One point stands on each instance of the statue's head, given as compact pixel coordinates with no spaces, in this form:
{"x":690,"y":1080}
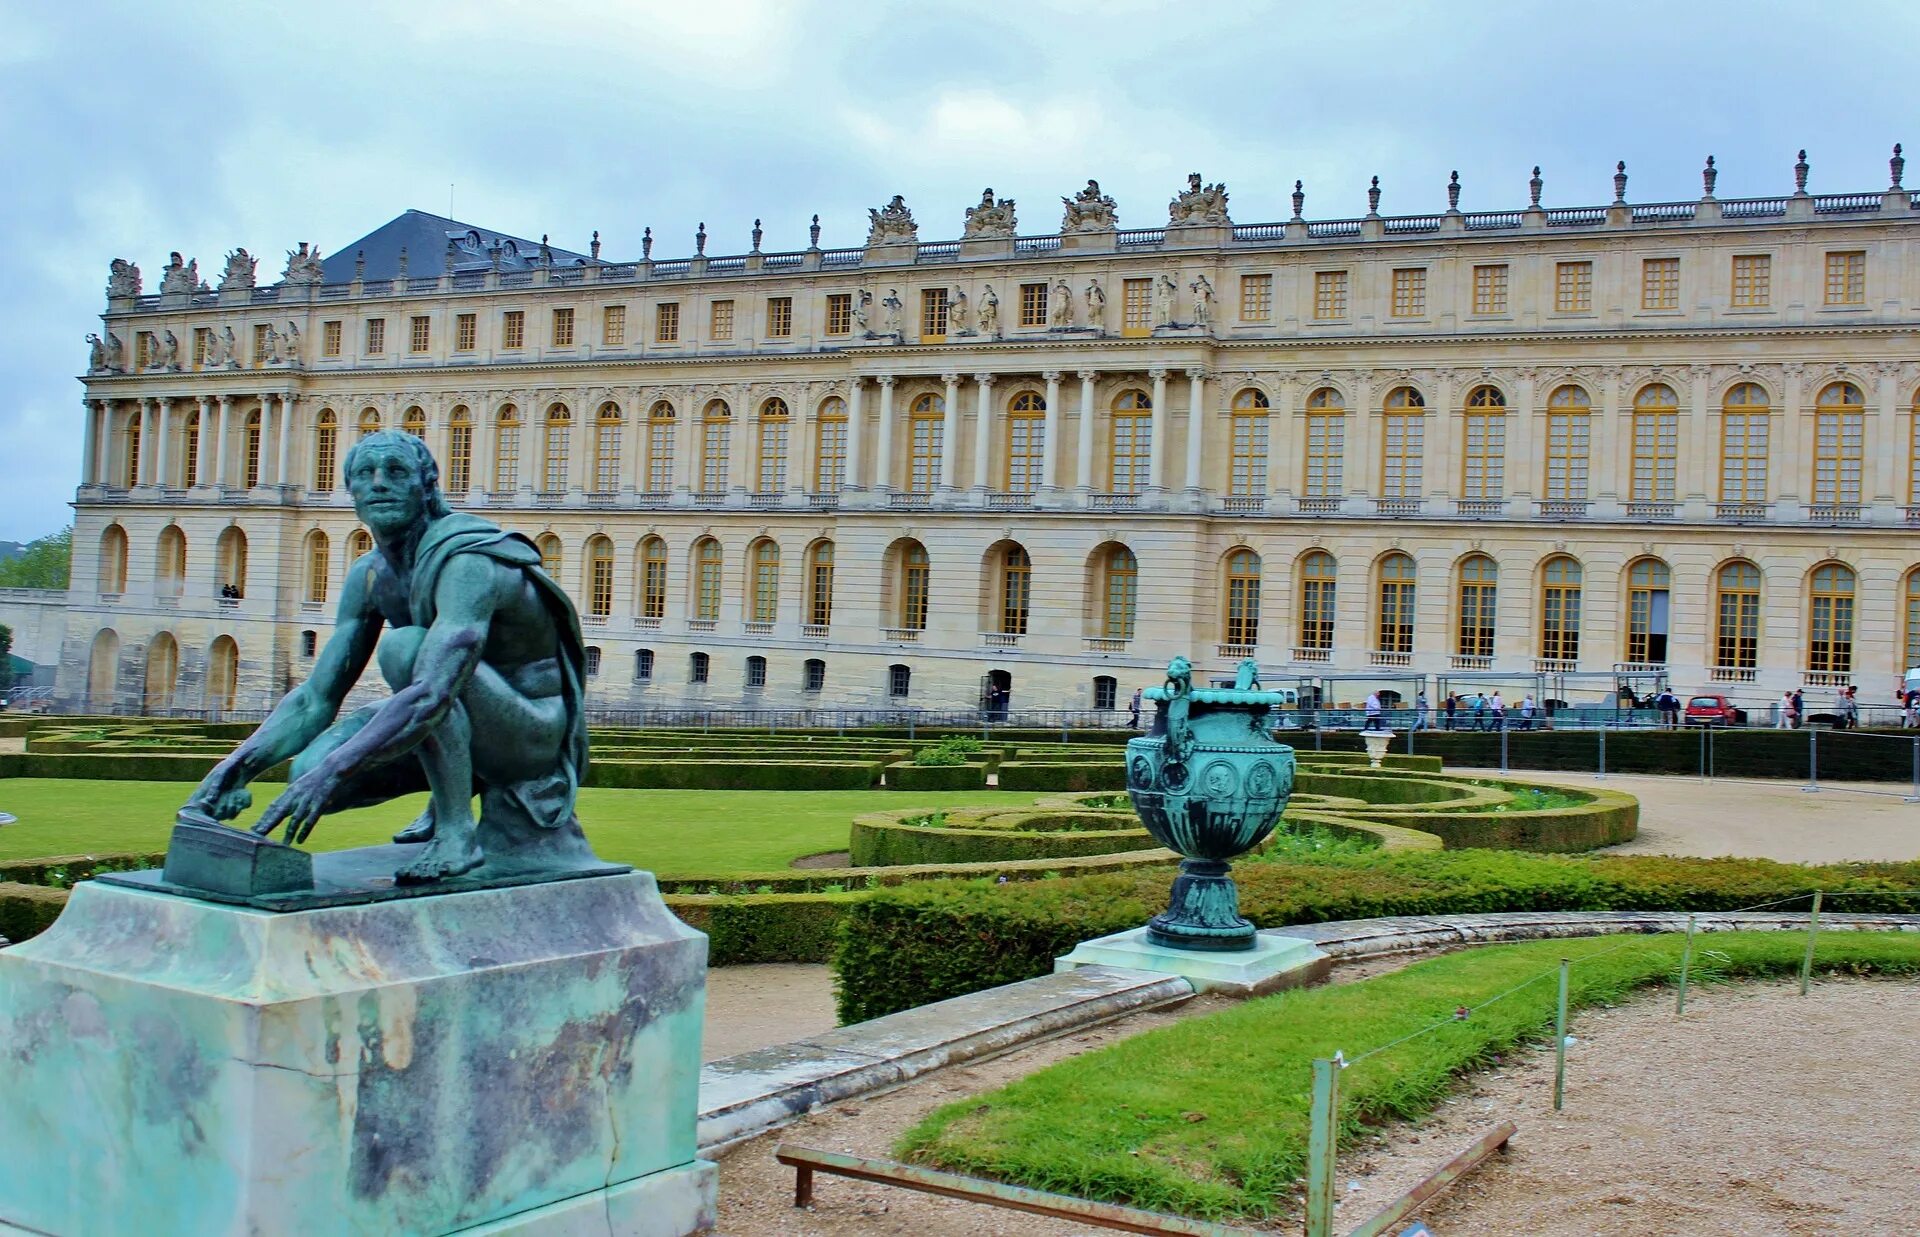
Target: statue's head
{"x":394,"y":481}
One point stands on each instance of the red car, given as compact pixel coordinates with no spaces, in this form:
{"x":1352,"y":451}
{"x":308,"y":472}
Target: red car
{"x":1714,"y":711}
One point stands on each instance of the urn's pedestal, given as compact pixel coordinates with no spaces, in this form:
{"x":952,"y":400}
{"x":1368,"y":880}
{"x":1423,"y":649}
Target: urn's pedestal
{"x":1274,"y":962}
{"x":509,"y":1060}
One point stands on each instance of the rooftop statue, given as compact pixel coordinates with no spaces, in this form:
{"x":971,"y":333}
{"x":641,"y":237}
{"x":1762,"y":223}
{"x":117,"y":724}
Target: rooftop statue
{"x":990,"y":314}
{"x":1202,"y":300}
{"x":290,"y":345}
{"x":166,"y":353}
{"x":892,"y":306}
{"x":1096,"y":306}
{"x":239,"y":272}
{"x":1090,"y":211}
{"x":486,"y":664}
{"x":959,"y":311}
{"x":1062,"y":303}
{"x":1199,"y":206}
{"x":990,"y":220}
{"x":892,"y":224}
{"x":862,"y":310}
{"x":123,"y":278}
{"x":96,"y":355}
{"x":179,"y":276}
{"x":303,"y":265}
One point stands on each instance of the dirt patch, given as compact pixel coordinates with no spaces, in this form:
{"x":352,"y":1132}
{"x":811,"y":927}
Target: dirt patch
{"x":757,"y":1006}
{"x":825,"y":859}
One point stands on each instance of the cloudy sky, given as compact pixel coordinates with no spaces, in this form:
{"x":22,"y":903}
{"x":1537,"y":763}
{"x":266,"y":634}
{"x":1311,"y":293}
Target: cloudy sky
{"x":130,"y":129}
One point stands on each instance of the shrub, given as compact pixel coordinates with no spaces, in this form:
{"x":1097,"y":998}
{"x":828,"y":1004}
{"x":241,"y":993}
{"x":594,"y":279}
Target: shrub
{"x":957,"y":776}
{"x":733,"y":774}
{"x":785,"y":927}
{"x":1033,"y":775}
{"x":28,"y":910}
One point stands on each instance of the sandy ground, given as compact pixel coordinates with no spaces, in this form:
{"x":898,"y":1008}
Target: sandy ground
{"x":751,"y":1007}
{"x":13,"y":743}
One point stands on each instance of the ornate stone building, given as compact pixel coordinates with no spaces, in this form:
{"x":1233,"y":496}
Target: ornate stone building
{"x":1558,"y":441}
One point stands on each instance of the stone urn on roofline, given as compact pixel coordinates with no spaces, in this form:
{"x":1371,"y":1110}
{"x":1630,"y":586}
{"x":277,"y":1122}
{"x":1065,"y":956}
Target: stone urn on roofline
{"x":1209,"y":783}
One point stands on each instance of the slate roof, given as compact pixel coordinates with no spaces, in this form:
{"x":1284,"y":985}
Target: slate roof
{"x":424,"y":236}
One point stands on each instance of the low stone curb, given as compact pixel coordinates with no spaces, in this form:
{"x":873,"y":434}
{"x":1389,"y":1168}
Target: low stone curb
{"x":1352,"y":940}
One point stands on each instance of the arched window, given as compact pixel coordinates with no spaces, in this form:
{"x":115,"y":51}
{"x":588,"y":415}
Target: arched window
{"x":550,"y":554}
{"x":1130,"y":439}
{"x":506,"y":450}
{"x":1403,"y":436}
{"x":763,"y":593}
{"x":131,"y":454}
{"x":223,"y":674}
{"x":1649,"y":611}
{"x":820,"y":584}
{"x":1106,"y":692}
{"x":814,"y":677}
{"x":1247,"y":464}
{"x":599,"y":576}
{"x":1656,"y":443}
{"x":775,"y":423}
{"x":716,"y":429}
{"x":899,"y":681}
{"x":1737,"y":626}
{"x":643,"y":665}
{"x":113,"y":560}
{"x":553,"y":468}
{"x":1016,"y":590}
{"x":369,"y":421}
{"x":414,"y":421}
{"x":190,"y":448}
{"x":1395,"y":614}
{"x":1839,"y":438}
{"x":593,"y":661}
{"x":756,"y":672}
{"x":359,"y":545}
{"x":1560,"y":609}
{"x":699,"y":667}
{"x":163,"y":672}
{"x":1478,"y":581}
{"x":250,"y":448}
{"x":318,"y":568}
{"x":1243,"y":599}
{"x":606,"y":449}
{"x":1318,"y":573}
{"x":326,"y":450}
{"x":103,"y":671}
{"x":1483,"y":467}
{"x":1325,"y":444}
{"x":1830,"y":620}
{"x":706,"y":579}
{"x":1120,"y":596}
{"x":231,"y":565}
{"x":459,"y":477}
{"x":915,"y":577}
{"x":170,"y":562}
{"x":660,"y":422}
{"x":1569,"y":435}
{"x":653,"y":578}
{"x":1026,"y":442}
{"x":830,"y":446}
{"x":926,"y":439}
{"x":1911,"y":645}
{"x":1743,"y":444}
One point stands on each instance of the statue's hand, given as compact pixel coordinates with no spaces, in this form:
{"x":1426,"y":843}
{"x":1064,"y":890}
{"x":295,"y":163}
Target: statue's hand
{"x":299,"y":807}
{"x":220,"y":795}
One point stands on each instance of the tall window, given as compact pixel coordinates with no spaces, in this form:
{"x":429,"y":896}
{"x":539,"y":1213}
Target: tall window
{"x":720,"y":321}
{"x":1256,"y":298}
{"x":1326,"y":444}
{"x":1847,"y":278}
{"x":513,"y":329}
{"x":563,"y":328}
{"x":1402,"y":443}
{"x":666,"y":322}
{"x":1479,"y":582}
{"x":756,"y":671}
{"x":1752,"y":280}
{"x":419,"y":333}
{"x":1409,"y":293}
{"x":1317,"y":596}
{"x":706,"y":579}
{"x":779,"y":317}
{"x":1743,"y":445}
{"x":763,"y":598}
{"x":915,"y":576}
{"x":1026,"y":442}
{"x":1656,"y":443}
{"x":506,"y":449}
{"x":133,"y":449}
{"x":550,"y":554}
{"x":1560,"y":609}
{"x":459,"y":450}
{"x":553,"y":474}
{"x":1569,"y":438}
{"x":318,"y":563}
{"x":330,"y":338}
{"x":839,"y":313}
{"x":613,"y":326}
{"x":1649,"y":611}
{"x":1395,"y":614}
{"x":414,"y":421}
{"x":933,"y":315}
{"x":1839,"y":436}
{"x":1016,"y":590}
{"x":606,"y":449}
{"x":1131,"y":442}
{"x":170,"y":562}
{"x":190,"y":449}
{"x":830,"y":453}
{"x":376,"y":336}
{"x":899,"y":681}
{"x":223,"y":673}
{"x":1911,"y":646}
{"x":653,"y":578}
{"x":260,"y":349}
{"x":774,"y":424}
{"x":250,"y":448}
{"x":113,"y":560}
{"x":699,"y":667}
{"x":1490,"y":289}
{"x":326,"y":448}
{"x":1483,"y":468}
{"x":1106,"y":691}
{"x":202,"y":344}
{"x":1033,"y":304}
{"x":1136,"y":307}
{"x":926,"y":430}
{"x":1913,"y":454}
{"x":1737,"y":605}
{"x":1243,"y":599}
{"x":660,"y":447}
{"x":599,"y":576}
{"x":1830,"y":620}
{"x":369,"y":421}
{"x":1573,"y":287}
{"x":820,"y":584}
{"x":466,"y":330}
{"x":1121,"y":597}
{"x":1247,"y":458}
{"x":1660,"y":283}
{"x":359,"y":545}
{"x":1329,"y":294}
{"x":716,"y":433}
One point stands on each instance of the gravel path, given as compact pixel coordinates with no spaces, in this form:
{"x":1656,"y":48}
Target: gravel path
{"x":757,"y":1006}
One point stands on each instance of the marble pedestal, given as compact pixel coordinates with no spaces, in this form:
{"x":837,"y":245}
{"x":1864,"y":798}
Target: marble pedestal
{"x":1273,"y":963}
{"x":510,"y":1060}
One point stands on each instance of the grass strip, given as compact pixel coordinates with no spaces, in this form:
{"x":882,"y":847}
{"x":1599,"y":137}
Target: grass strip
{"x":1208,"y":1117}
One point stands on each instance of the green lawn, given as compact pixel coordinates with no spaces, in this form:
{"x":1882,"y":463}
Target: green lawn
{"x":672,"y":832}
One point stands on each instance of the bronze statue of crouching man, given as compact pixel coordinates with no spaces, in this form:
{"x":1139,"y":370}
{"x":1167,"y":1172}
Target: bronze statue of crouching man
{"x":486,"y":664}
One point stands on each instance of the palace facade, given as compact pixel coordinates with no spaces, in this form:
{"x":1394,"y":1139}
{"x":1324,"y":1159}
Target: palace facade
{"x":1634,"y":438}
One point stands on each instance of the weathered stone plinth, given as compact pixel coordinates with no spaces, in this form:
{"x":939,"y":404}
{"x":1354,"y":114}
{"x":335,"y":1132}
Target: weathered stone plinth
{"x":521,"y":1059}
{"x":1273,"y":963}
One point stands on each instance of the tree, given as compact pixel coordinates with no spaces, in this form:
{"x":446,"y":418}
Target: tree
{"x":45,"y":563}
{"x":6,"y":657}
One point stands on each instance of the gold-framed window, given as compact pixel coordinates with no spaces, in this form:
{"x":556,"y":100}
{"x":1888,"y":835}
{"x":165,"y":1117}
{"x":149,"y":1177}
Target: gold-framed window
{"x":1256,"y":298}
{"x":926,"y":438}
{"x":1569,"y":443}
{"x":1830,"y":619}
{"x":513,"y":329}
{"x":376,"y":338}
{"x":330,"y":338}
{"x":555,"y":445}
{"x":613,"y":326}
{"x":1016,"y":590}
{"x":1744,"y":426}
{"x":607,"y":427}
{"x":1026,"y":442}
{"x":1329,"y":295}
{"x":775,"y":422}
{"x":933,"y":315}
{"x":1649,"y":601}
{"x":1409,"y":292}
{"x":318,"y":563}
{"x":1248,"y":431}
{"x":1120,"y":598}
{"x":1737,"y":616}
{"x":1479,"y":582}
{"x":1839,"y":443}
{"x":1846,"y":281}
{"x":660,"y":437}
{"x":1752,"y":280}
{"x":916,"y":574}
{"x":1130,"y":442}
{"x":1660,"y":283}
{"x":653,"y":578}
{"x":459,"y":450}
{"x":779,"y":317}
{"x":1242,"y":609}
{"x":706,"y":579}
{"x":820,"y":584}
{"x":419,"y":334}
{"x":1490,"y":288}
{"x":1656,"y":443}
{"x":1318,"y":584}
{"x":1483,"y":461}
{"x":720,"y":321}
{"x":716,"y":445}
{"x":326,"y":448}
{"x":1136,"y":308}
{"x":1033,"y":304}
{"x":506,"y":449}
{"x":1573,"y":287}
{"x":1403,"y":438}
{"x":763,"y":598}
{"x":466,"y":332}
{"x":666,"y":322}
{"x":830,"y":446}
{"x":839,"y":313}
{"x":1325,"y":444}
{"x":1394,"y":612}
{"x":562,"y":335}
{"x":599,"y":576}
{"x":1560,"y":599}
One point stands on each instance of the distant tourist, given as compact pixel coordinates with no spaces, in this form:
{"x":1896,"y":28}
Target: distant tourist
{"x":1850,"y":708}
{"x":1374,"y":720}
{"x":1479,"y":706}
{"x":1669,"y":706}
{"x":1133,"y":710}
{"x":1911,"y":700}
{"x":1799,"y":707}
{"x":1422,"y":715}
{"x":1783,"y":711}
{"x":1452,"y":706}
{"x":1526,"y":712}
{"x":1498,"y":708}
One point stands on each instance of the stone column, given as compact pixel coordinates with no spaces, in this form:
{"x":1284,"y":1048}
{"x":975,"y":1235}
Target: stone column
{"x":686,"y":445}
{"x":1522,"y":463}
{"x":950,"y":433}
{"x":1050,"y":449}
{"x":1883,"y":442}
{"x":983,"y":432}
{"x":1447,"y":424}
{"x":1356,"y":453}
{"x":205,"y":476}
{"x":883,"y":442}
{"x":1283,"y":440}
{"x":743,"y":469}
{"x":160,"y":475}
{"x":802,"y":446}
{"x":220,"y":443}
{"x":1606,"y":446}
{"x":91,"y":445}
{"x":856,"y":427}
{"x":286,"y":439}
{"x":1196,"y":426}
{"x":486,"y":429}
{"x":1157,"y":449}
{"x":1700,"y":464}
{"x":1787,"y":471}
{"x":103,"y":458}
{"x":1083,"y":453}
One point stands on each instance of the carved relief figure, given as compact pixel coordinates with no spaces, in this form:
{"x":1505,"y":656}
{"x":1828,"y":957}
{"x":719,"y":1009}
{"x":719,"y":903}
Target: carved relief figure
{"x":862,"y":308}
{"x":123,"y":278}
{"x":239,"y":272}
{"x":1090,"y":211}
{"x":179,"y":276}
{"x":1096,"y":306}
{"x":892,"y":307}
{"x":957,"y":310}
{"x":1062,"y":303}
{"x":1164,"y":293}
{"x":990,"y":314}
{"x":1202,"y":301}
{"x":991,"y":219}
{"x":303,"y":265}
{"x":1199,"y":206}
{"x":96,"y":355}
{"x":892,"y":224}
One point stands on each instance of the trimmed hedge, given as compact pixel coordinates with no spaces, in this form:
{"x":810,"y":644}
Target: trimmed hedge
{"x":1861,"y":756}
{"x":789,"y":927}
{"x":905,"y":775}
{"x":1034,"y":775}
{"x":733,"y":774}
{"x":28,"y":910}
{"x":1381,"y":787}
{"x":1607,"y":819}
{"x":61,"y":871}
{"x":147,"y":766}
{"x":882,"y":839}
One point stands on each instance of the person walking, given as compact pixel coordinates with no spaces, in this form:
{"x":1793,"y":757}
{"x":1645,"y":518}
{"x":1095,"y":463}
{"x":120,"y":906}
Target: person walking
{"x":1479,"y":710}
{"x":1133,"y":710}
{"x":1669,"y":709}
{"x":1799,"y":714}
{"x":1374,"y":721}
{"x":1498,"y":707}
{"x":1451,"y":706}
{"x":1850,"y":708}
{"x":1526,"y":712}
{"x":1783,"y":711}
{"x":1421,"y":714}
{"x":1912,"y":701}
